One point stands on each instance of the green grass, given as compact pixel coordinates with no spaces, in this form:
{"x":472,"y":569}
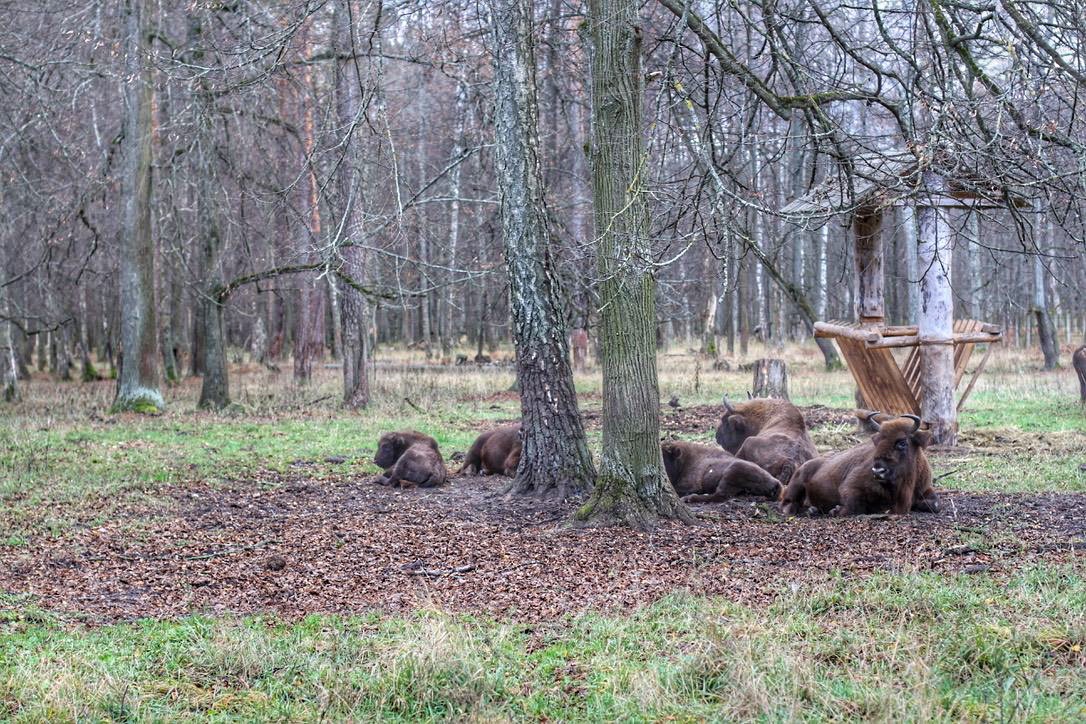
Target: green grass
{"x":900,"y":646}
{"x":892,"y":647}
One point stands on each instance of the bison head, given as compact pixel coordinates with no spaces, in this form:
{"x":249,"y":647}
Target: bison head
{"x":734,"y":429}
{"x":897,"y":444}
{"x":673,"y":460}
{"x":389,"y":449}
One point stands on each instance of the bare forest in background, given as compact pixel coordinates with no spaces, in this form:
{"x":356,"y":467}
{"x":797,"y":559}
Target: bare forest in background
{"x":320,"y":179}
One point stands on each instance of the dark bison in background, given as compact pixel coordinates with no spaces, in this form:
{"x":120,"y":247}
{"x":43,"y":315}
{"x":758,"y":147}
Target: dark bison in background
{"x":704,"y":474}
{"x":1078,"y":360}
{"x":888,"y":473}
{"x":410,"y":458}
{"x":495,"y":451}
{"x":770,"y":433}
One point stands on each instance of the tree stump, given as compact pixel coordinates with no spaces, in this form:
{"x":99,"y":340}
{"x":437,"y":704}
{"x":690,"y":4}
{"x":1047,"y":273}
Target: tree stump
{"x":771,"y":378}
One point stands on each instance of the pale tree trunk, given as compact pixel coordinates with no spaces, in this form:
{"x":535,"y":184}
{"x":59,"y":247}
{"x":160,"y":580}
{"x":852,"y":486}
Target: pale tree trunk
{"x":138,"y":382}
{"x":908,"y":233}
{"x":632,"y":487}
{"x":354,"y":312}
{"x":555,"y":453}
{"x":9,"y":368}
{"x":450,"y":335}
{"x":1046,"y":330}
{"x":829,"y":353}
{"x":936,"y":320}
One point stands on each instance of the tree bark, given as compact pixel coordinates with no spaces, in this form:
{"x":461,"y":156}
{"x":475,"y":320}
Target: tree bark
{"x":138,"y":382}
{"x":354,"y":311}
{"x":1046,"y":330}
{"x":870,"y":284}
{"x":554,"y":453}
{"x":936,"y":321}
{"x":632,"y":487}
{"x":771,"y":378}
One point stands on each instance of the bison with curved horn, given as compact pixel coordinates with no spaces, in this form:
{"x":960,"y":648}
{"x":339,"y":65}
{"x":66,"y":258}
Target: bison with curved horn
{"x":888,"y":473}
{"x":770,"y":433}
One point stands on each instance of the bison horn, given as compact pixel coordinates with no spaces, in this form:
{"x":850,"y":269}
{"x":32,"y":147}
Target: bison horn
{"x":870,"y":419}
{"x":728,"y":406}
{"x":916,"y":422}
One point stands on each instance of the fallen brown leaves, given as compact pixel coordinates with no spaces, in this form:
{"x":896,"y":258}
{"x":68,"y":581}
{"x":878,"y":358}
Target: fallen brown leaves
{"x":340,"y":545}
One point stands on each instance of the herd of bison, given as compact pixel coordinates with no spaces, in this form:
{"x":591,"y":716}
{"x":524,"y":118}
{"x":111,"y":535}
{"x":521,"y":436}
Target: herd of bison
{"x":765,"y":450}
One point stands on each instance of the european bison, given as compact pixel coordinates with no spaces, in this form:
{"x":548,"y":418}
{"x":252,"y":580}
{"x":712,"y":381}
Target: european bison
{"x":495,"y":451}
{"x":1078,"y":359}
{"x":888,"y":473}
{"x":704,"y":474}
{"x":767,"y":432}
{"x":410,"y":458}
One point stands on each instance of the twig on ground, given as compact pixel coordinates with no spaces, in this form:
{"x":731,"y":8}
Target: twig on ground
{"x":414,"y":407}
{"x":437,"y":573}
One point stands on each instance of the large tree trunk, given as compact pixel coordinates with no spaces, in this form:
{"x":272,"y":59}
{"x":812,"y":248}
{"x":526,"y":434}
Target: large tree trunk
{"x":632,"y":487}
{"x":936,"y":321}
{"x":554,"y":453}
{"x":138,"y":382}
{"x":354,"y":311}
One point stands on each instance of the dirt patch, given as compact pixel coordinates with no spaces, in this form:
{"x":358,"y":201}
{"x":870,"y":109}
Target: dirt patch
{"x":349,"y":545}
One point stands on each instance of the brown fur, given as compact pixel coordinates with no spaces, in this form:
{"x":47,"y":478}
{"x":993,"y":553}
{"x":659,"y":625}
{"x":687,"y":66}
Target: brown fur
{"x":845,"y":483}
{"x":410,"y":458}
{"x":1078,"y":360}
{"x":770,"y":433}
{"x":495,"y":451}
{"x":704,"y":474}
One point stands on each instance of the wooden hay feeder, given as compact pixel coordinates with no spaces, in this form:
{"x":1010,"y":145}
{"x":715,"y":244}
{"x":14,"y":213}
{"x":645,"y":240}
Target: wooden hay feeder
{"x":889,"y":386}
{"x":926,"y":379}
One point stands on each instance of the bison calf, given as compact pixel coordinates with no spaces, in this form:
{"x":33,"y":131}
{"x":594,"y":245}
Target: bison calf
{"x":495,"y":451}
{"x":770,"y":433}
{"x":889,"y":473}
{"x":410,"y":458}
{"x":704,"y":474}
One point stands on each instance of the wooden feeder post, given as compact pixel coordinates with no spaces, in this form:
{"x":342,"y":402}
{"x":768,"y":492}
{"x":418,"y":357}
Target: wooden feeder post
{"x":870,"y":281}
{"x":935,"y":327}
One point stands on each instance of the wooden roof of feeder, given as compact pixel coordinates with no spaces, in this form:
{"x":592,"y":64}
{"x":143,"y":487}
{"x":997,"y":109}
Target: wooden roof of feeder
{"x":881,"y":180}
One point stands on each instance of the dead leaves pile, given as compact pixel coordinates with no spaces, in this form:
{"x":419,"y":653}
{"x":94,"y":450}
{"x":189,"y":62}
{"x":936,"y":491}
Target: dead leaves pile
{"x":298,"y":546}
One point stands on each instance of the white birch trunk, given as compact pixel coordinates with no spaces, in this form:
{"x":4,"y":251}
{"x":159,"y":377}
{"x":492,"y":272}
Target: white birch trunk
{"x":936,"y":320}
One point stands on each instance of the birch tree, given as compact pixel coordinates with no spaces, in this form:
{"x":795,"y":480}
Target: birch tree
{"x":554,"y":451}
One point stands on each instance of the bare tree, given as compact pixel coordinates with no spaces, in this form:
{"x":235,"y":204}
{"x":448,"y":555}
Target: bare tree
{"x":138,"y":382}
{"x":554,"y":454}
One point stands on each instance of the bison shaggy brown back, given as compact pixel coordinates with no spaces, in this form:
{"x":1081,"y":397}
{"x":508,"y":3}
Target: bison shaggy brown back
{"x":889,"y":473}
{"x":704,"y":474}
{"x":770,"y":433}
{"x":495,"y":451}
{"x":410,"y":458}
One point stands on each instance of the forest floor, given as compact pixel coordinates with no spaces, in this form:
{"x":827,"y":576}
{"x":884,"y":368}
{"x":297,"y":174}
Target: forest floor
{"x":246,"y":565}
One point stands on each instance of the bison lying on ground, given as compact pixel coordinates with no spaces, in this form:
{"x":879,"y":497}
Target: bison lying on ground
{"x":410,"y":458}
{"x":704,"y":474}
{"x":495,"y":451}
{"x":889,"y":473}
{"x":769,"y":433}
